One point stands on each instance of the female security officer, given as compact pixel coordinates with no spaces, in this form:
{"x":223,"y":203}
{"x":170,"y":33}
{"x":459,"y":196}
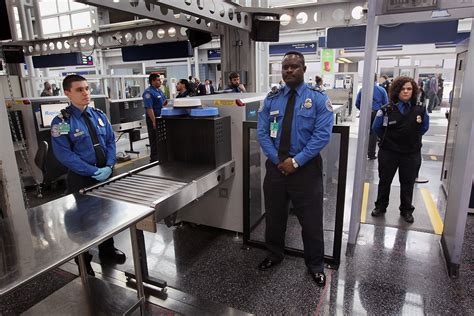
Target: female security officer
{"x":400,"y":126}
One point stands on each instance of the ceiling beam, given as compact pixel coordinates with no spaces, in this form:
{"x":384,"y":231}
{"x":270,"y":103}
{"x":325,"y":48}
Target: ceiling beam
{"x":149,"y":10}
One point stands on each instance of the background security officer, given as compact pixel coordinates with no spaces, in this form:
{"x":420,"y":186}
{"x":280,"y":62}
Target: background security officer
{"x":84,"y":142}
{"x":154,"y":99}
{"x":294,"y":125}
{"x":379,"y":99}
{"x":400,"y":126}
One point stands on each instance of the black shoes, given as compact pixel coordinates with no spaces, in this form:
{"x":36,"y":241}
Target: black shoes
{"x":112,"y":255}
{"x":376,"y":212}
{"x":372,"y":157}
{"x":319,"y":278}
{"x":408,"y":217}
{"x":267,"y":264}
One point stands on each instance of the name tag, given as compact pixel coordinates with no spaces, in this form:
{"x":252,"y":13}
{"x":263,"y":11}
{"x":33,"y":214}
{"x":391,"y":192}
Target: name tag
{"x":392,"y":122}
{"x":275,"y":112}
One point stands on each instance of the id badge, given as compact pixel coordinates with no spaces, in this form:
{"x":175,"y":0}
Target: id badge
{"x":274,"y":129}
{"x":385,"y":121}
{"x":64,"y":128}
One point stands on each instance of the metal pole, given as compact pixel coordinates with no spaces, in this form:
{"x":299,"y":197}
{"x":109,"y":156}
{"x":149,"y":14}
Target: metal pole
{"x":137,"y":263}
{"x":462,"y":172}
{"x":371,"y":39}
{"x":83,"y":269}
{"x":196,"y":62}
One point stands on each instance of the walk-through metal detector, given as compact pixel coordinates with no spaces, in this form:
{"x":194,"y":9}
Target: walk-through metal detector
{"x":387,"y":12}
{"x":334,"y":156}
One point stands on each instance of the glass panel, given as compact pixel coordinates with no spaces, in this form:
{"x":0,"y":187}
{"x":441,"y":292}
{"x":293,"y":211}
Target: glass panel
{"x":330,"y":156}
{"x":65,"y":22}
{"x":50,"y":25}
{"x":63,"y":6}
{"x":77,"y":6}
{"x":81,"y":20}
{"x":48,"y":7}
{"x":256,"y":180}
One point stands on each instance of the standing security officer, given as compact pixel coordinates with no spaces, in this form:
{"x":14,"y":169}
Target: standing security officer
{"x":294,"y":125}
{"x":379,"y":99}
{"x":400,"y":126}
{"x":154,"y":99}
{"x":84,"y":142}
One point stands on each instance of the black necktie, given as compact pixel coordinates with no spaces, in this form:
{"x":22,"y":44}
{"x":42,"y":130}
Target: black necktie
{"x":285,"y":139}
{"x":99,"y":152}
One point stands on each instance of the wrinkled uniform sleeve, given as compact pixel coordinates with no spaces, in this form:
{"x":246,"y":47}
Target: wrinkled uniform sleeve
{"x":384,"y":97}
{"x":426,"y":124}
{"x":263,"y":133}
{"x":147,"y":99}
{"x":110,"y":143}
{"x":378,"y":122}
{"x":321,"y":133}
{"x":63,"y":152}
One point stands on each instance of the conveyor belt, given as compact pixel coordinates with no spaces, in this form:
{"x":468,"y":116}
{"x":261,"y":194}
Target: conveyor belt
{"x":165,"y":187}
{"x":139,"y":189}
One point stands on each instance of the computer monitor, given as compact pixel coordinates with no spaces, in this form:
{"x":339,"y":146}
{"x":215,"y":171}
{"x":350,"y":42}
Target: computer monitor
{"x":50,"y":110}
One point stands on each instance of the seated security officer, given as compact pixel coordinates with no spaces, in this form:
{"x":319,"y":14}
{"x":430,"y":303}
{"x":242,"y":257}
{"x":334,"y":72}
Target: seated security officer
{"x":83,"y":141}
{"x":294,"y":125}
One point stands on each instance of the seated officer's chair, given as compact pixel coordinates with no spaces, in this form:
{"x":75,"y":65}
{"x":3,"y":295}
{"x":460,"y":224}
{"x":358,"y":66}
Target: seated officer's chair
{"x":50,"y":167}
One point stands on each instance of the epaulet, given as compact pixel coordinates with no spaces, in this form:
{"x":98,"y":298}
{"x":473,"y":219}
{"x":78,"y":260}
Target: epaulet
{"x":318,"y":89}
{"x":97,"y":110}
{"x":273,"y":93}
{"x":385,"y":106}
{"x":64,"y":113}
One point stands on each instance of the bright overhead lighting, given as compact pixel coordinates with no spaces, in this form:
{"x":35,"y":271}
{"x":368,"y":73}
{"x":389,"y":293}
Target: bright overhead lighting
{"x":346,"y":60}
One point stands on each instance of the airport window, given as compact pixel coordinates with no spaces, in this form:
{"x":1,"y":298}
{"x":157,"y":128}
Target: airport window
{"x":81,"y":20}
{"x":48,"y":7}
{"x":50,"y":25}
{"x":65,"y":23}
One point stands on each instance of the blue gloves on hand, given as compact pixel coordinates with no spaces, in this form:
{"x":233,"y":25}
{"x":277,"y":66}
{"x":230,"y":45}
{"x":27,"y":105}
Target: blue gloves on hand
{"x":102,"y":174}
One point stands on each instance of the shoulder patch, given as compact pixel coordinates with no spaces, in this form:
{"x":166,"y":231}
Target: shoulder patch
{"x":273,"y":93}
{"x":55,"y":130}
{"x":147,"y":96}
{"x":379,"y":113}
{"x":329,"y":105}
{"x":318,"y":89}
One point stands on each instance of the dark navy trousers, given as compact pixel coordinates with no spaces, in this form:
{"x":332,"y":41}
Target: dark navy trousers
{"x":304,"y":189}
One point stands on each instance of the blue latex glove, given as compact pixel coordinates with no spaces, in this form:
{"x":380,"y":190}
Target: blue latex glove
{"x":102,"y":174}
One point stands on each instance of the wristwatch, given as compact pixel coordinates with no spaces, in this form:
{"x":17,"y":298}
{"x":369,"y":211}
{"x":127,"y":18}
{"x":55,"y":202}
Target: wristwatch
{"x":295,"y":164}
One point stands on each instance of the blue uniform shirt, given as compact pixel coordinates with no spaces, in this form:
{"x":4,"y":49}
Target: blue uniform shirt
{"x":379,"y":99}
{"x":154,"y":98}
{"x":74,"y":149}
{"x":377,"y":126}
{"x":311,"y":126}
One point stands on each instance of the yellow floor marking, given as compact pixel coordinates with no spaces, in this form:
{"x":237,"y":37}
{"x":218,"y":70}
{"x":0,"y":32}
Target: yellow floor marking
{"x":434,"y":158}
{"x":433,"y":212}
{"x":365,"y":199}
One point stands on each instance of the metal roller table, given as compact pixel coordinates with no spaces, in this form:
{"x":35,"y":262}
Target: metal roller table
{"x":195,"y":157}
{"x":37,"y":240}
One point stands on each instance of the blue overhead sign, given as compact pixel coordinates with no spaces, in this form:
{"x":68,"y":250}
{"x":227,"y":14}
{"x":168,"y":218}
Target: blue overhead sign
{"x":304,"y":48}
{"x":213,"y":54}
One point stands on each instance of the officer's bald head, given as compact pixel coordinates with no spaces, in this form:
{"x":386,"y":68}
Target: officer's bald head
{"x":293,"y":69}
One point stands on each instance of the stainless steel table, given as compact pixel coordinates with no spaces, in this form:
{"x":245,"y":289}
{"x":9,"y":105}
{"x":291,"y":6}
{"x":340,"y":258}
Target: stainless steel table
{"x":42,"y":238}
